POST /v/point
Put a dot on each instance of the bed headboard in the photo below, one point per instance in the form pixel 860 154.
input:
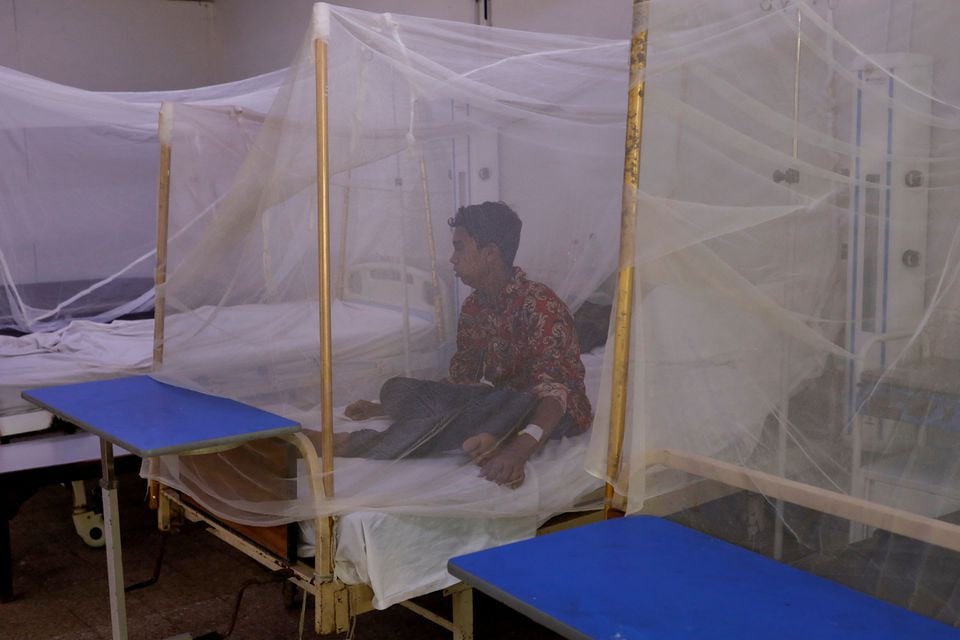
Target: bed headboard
pixel 383 283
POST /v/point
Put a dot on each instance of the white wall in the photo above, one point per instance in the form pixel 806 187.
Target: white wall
pixel 599 18
pixel 263 36
pixel 112 44
pixel 174 44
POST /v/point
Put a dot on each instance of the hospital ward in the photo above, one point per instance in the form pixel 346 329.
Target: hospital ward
pixel 480 319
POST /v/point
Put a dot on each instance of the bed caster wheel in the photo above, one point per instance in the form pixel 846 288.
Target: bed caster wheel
pixel 88 522
pixel 89 526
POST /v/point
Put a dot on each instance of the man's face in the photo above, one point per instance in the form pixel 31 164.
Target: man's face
pixel 467 258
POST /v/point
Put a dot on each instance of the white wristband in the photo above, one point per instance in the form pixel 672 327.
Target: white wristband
pixel 532 430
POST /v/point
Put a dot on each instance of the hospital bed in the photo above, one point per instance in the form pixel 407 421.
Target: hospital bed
pixel 368 318
pixel 378 559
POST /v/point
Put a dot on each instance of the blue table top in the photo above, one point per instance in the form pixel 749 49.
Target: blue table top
pixel 150 418
pixel 645 577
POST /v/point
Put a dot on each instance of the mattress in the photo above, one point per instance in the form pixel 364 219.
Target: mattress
pixel 401 556
pixel 96 300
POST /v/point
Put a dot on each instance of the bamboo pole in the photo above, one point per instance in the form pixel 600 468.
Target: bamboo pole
pixel 323 255
pixel 163 229
pixel 326 606
pixel 164 127
pixel 434 278
pixel 628 227
pixel 342 267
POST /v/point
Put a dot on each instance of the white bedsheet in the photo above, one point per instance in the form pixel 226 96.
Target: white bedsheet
pixel 85 350
pixel 80 351
pixel 402 556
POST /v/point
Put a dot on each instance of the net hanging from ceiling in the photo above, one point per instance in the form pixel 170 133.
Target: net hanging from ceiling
pixel 795 263
pixel 79 196
pixel 423 117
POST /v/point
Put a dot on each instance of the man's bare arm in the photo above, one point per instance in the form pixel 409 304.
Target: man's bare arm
pixel 505 464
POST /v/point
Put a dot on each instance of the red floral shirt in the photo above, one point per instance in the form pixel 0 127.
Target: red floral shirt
pixel 523 340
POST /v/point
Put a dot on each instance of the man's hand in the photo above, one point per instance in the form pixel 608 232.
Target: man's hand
pixel 505 465
pixel 363 410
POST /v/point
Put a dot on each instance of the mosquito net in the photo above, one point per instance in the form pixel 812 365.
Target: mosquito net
pixel 795 260
pixel 796 264
pixel 424 117
pixel 78 196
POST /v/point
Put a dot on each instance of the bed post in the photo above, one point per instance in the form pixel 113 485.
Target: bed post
pixel 165 129
pixel 428 212
pixel 327 609
pixel 625 279
pixel 165 132
pixel 323 255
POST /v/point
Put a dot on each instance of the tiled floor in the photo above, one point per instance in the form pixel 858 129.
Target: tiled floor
pixel 62 592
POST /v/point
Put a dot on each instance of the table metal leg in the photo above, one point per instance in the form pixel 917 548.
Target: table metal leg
pixel 111 525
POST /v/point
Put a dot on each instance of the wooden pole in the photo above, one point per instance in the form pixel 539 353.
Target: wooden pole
pixel 165 129
pixel 625 279
pixel 163 225
pixel 435 279
pixel 323 255
pixel 326 606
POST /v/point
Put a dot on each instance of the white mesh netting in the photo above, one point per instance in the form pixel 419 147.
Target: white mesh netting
pixel 796 277
pixel 795 256
pixel 79 195
pixel 425 116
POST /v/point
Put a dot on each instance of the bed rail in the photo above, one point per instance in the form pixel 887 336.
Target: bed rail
pixel 928 530
pixel 393 285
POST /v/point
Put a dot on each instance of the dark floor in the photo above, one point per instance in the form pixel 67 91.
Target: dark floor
pixel 61 585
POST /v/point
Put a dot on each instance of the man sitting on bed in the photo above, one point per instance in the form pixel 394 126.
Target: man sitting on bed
pixel 516 379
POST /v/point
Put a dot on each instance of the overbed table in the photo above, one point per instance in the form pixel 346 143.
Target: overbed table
pixel 150 418
pixel 645 577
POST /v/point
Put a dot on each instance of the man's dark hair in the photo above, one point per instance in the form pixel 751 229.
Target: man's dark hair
pixel 491 223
